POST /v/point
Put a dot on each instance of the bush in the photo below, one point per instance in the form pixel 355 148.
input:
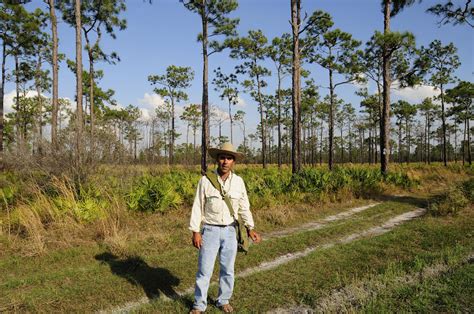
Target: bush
pixel 468 189
pixel 454 200
pixel 10 187
pixel 154 194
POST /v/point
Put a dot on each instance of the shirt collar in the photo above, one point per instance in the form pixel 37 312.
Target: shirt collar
pixel 228 178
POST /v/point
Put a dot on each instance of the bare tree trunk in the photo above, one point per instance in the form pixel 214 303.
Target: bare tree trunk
pixel 371 150
pixel 350 143
pixel 55 102
pixel 205 96
pixel 385 125
pixel 171 149
pixel 279 119
pixel 426 139
pixel 331 120
pixel 342 147
pixel 455 144
pixel 2 95
pixel 231 123
pixel 464 142
pixel 400 142
pixel 408 140
pixel 17 103
pixel 321 144
pixel 262 122
pixel 429 144
pixel 469 156
pixel 296 86
pixel 443 120
pixel 79 120
pixel 194 145
pixel 39 124
pixel 91 92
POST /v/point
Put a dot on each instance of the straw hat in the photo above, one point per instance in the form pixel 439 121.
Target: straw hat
pixel 226 148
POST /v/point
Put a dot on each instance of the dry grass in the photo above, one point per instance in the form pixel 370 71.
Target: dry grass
pixel 52 216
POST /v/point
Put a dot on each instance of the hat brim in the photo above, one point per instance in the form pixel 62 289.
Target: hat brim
pixel 215 152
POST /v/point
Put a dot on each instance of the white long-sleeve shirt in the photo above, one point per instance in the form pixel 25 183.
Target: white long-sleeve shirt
pixel 210 208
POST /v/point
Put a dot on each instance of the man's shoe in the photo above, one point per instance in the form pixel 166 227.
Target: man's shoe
pixel 226 308
pixel 195 311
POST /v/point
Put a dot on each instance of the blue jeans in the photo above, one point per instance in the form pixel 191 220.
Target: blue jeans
pixel 222 240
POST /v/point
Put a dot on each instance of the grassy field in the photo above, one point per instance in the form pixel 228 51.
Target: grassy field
pixel 97 246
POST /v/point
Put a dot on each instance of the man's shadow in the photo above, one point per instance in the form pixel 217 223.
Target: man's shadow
pixel 154 280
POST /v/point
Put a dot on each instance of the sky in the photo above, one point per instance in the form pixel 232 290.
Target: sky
pixel 165 33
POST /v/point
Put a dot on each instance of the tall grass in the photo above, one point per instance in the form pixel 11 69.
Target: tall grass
pixel 50 211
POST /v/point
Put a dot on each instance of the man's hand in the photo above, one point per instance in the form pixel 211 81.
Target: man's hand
pixel 255 236
pixel 197 240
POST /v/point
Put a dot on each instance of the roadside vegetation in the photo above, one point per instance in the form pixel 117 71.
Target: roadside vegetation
pixel 42 212
pixel 123 235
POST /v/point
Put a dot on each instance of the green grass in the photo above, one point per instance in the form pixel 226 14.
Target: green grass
pixel 96 275
pixel 151 252
pixel 452 292
pixel 420 243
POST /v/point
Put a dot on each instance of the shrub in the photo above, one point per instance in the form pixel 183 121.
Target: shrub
pixel 10 187
pixel 468 189
pixel 454 200
pixel 154 194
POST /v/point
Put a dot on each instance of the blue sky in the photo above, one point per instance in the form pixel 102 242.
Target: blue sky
pixel 164 33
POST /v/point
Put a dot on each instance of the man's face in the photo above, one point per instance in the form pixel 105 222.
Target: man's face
pixel 225 163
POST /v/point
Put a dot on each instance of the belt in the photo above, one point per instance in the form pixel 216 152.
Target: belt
pixel 222 226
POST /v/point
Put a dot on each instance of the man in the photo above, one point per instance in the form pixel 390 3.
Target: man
pixel 218 234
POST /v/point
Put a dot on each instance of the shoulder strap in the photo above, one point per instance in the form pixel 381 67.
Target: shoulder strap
pixel 212 177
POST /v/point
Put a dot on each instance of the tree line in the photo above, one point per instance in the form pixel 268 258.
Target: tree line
pixel 296 124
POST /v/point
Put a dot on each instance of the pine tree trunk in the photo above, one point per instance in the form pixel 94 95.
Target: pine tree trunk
pixel 262 121
pixel 231 123
pixel 79 118
pixel 39 124
pixel 350 143
pixel 408 141
pixel 342 148
pixel 279 118
pixel 464 142
pixel 443 120
pixel 205 96
pixel 171 149
pixel 455 144
pixel 469 156
pixel 18 113
pixel 321 144
pixel 55 102
pixel 331 121
pixel 91 94
pixel 428 141
pixel 385 129
pixel 296 88
pixel 2 95
pixel 400 142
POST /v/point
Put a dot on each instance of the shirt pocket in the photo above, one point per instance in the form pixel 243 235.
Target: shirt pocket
pixel 235 199
pixel 212 201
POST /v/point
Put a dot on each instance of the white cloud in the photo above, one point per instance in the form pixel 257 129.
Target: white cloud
pixel 148 104
pixel 241 102
pixel 217 114
pixel 152 100
pixel 145 115
pixel 415 94
pixel 9 99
